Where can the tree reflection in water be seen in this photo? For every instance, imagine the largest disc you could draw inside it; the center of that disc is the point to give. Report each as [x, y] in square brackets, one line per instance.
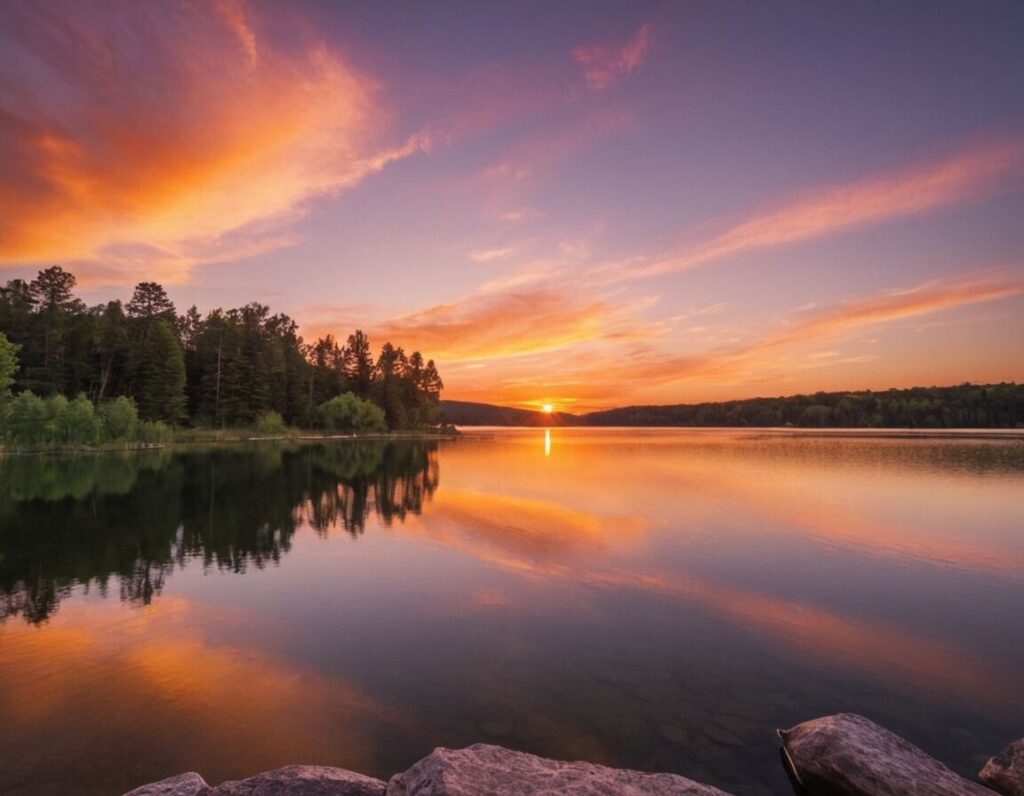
[75, 520]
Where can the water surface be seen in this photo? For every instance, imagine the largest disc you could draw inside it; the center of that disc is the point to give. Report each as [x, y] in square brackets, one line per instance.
[656, 599]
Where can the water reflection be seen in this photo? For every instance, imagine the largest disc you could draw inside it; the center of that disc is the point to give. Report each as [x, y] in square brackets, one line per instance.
[132, 518]
[659, 600]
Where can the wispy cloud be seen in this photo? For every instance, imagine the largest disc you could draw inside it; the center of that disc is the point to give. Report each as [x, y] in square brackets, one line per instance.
[489, 255]
[606, 65]
[495, 326]
[209, 124]
[963, 178]
[643, 363]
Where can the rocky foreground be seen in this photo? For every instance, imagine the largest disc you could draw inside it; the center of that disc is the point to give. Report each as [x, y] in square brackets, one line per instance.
[841, 755]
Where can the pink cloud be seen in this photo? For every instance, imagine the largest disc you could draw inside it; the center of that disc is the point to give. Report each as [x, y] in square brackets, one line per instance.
[606, 65]
[208, 125]
[966, 177]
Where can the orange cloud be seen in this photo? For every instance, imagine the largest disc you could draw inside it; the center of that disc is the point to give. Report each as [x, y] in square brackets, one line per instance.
[489, 326]
[586, 377]
[155, 133]
[606, 65]
[965, 177]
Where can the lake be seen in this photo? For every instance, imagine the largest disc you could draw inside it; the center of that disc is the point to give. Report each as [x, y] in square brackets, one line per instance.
[654, 599]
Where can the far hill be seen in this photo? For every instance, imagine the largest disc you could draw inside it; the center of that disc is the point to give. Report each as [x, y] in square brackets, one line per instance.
[466, 413]
[962, 406]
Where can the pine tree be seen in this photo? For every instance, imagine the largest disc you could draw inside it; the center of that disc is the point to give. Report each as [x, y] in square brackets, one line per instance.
[158, 374]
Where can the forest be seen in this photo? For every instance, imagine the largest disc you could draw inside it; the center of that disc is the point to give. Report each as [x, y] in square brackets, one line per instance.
[962, 406]
[75, 374]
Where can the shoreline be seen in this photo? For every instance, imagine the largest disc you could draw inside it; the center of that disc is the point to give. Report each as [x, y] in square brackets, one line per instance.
[844, 754]
[241, 436]
[230, 438]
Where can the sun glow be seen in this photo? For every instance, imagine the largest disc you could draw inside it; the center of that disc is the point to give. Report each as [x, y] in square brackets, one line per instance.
[547, 409]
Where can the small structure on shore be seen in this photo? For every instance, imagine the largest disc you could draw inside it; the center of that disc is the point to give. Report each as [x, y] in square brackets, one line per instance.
[841, 755]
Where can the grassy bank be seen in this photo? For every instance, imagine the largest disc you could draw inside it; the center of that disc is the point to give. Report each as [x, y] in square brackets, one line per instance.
[215, 436]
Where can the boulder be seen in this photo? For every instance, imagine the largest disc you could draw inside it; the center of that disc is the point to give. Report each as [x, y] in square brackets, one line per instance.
[1005, 771]
[188, 784]
[303, 781]
[494, 770]
[849, 755]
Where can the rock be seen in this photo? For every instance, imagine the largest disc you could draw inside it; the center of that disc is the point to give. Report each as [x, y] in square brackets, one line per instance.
[849, 755]
[494, 770]
[304, 781]
[1005, 771]
[188, 784]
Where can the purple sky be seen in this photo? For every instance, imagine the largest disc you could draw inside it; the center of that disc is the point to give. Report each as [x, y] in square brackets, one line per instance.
[584, 204]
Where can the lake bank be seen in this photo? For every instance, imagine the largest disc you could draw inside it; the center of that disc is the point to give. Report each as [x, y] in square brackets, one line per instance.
[186, 437]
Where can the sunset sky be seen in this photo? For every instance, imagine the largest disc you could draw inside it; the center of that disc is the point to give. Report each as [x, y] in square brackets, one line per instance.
[582, 204]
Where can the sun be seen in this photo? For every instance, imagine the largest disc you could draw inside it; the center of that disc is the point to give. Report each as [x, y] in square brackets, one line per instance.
[547, 409]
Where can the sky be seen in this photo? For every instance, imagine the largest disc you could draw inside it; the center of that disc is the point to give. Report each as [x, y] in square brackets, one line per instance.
[586, 204]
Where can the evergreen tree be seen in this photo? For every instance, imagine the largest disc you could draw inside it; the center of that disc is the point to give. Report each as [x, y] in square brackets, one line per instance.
[8, 365]
[231, 367]
[158, 373]
[358, 363]
[150, 300]
[53, 303]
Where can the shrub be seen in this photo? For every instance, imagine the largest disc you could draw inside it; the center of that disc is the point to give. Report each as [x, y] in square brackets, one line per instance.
[271, 423]
[119, 419]
[25, 422]
[77, 424]
[348, 413]
[152, 432]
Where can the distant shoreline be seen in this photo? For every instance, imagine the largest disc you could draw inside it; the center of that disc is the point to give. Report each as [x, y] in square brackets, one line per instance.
[848, 433]
[962, 406]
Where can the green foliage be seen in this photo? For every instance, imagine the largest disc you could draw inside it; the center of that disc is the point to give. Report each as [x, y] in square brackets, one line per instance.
[227, 368]
[8, 364]
[152, 432]
[76, 423]
[119, 419]
[26, 420]
[963, 406]
[271, 423]
[158, 373]
[348, 413]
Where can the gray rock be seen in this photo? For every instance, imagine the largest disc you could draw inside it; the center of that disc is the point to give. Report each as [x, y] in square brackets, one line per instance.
[1005, 771]
[188, 784]
[494, 770]
[849, 755]
[304, 781]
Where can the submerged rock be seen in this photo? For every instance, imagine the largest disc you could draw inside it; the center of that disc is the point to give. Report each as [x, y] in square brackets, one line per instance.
[495, 770]
[188, 784]
[304, 781]
[1005, 771]
[849, 755]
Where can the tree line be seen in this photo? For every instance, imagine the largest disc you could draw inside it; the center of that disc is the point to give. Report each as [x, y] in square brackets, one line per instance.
[244, 366]
[962, 406]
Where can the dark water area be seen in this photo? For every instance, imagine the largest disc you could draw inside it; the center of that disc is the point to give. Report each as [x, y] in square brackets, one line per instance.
[653, 599]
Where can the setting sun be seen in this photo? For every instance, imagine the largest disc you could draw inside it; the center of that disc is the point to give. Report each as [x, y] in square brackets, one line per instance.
[547, 409]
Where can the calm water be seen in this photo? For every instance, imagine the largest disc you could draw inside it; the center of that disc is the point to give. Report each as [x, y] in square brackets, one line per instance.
[656, 599]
